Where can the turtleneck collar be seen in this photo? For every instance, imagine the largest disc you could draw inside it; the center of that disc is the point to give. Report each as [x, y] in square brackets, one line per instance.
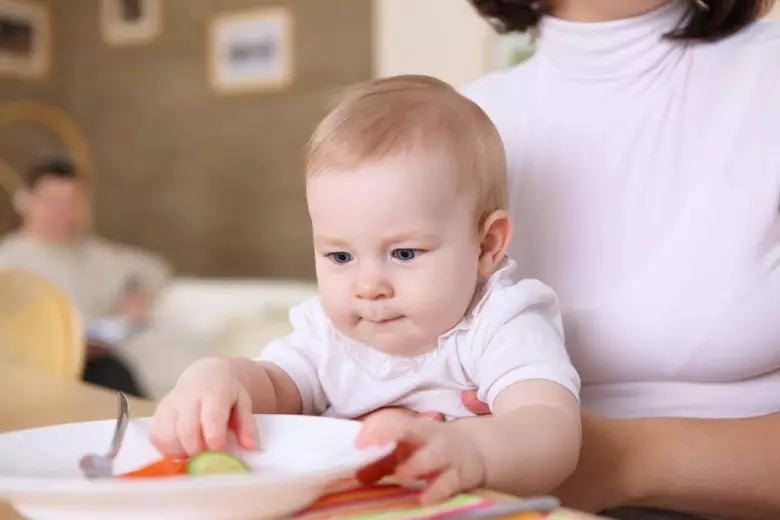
[608, 50]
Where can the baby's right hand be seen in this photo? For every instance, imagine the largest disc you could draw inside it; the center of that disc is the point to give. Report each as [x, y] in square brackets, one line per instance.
[197, 415]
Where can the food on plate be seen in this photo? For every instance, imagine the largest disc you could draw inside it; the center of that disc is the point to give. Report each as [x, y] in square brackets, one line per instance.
[206, 463]
[165, 467]
[216, 463]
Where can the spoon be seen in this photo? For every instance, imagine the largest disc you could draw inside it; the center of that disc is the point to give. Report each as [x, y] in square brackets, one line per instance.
[96, 466]
[541, 505]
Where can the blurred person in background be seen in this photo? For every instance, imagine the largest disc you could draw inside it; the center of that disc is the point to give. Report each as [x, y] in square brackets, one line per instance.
[112, 286]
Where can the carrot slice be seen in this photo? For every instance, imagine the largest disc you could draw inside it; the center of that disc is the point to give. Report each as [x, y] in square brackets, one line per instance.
[165, 467]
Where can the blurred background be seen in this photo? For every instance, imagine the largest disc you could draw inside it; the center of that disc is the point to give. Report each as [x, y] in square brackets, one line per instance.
[184, 122]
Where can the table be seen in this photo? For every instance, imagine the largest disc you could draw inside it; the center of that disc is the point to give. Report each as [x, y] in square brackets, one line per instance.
[37, 399]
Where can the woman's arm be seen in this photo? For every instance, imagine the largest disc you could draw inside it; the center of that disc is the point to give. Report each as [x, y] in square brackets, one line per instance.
[723, 468]
[720, 468]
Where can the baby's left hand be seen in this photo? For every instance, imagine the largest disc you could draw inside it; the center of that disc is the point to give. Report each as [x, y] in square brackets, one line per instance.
[438, 453]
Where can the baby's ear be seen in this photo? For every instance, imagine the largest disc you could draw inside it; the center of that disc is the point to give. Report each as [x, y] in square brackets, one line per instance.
[496, 236]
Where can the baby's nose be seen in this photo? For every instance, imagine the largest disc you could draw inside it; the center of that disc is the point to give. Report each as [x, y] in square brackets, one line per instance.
[375, 288]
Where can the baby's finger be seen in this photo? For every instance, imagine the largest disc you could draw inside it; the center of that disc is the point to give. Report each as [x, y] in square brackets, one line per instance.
[428, 460]
[389, 426]
[470, 400]
[163, 433]
[375, 472]
[246, 427]
[446, 485]
[386, 466]
[189, 430]
[214, 415]
[432, 416]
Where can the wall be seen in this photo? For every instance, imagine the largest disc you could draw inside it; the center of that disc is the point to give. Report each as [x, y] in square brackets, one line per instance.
[20, 144]
[443, 38]
[214, 183]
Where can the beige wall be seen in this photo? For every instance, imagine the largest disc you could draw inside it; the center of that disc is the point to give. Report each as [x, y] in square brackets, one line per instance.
[443, 38]
[20, 143]
[775, 14]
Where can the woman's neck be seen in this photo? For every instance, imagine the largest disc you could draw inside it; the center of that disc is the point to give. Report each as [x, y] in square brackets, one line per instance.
[603, 10]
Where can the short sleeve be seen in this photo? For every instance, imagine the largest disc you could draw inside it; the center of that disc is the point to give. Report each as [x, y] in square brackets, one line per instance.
[300, 354]
[520, 338]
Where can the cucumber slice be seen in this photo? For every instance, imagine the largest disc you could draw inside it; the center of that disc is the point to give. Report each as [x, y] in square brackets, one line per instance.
[215, 463]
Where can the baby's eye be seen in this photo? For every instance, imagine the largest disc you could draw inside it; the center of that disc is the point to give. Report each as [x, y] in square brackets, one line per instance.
[405, 255]
[340, 257]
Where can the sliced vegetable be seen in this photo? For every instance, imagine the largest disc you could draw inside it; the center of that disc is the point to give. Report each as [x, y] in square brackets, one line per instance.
[216, 463]
[166, 467]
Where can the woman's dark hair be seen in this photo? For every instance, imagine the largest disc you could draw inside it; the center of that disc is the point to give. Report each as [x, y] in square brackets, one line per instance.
[720, 19]
[58, 167]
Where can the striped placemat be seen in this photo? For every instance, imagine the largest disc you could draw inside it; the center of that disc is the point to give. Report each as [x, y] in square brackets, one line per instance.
[390, 501]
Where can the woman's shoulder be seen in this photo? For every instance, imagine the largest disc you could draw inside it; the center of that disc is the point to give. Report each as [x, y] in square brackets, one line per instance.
[763, 33]
[758, 46]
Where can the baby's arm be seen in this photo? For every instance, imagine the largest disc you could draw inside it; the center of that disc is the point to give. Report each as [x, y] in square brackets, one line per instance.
[290, 365]
[284, 378]
[528, 447]
[270, 389]
[522, 370]
[211, 398]
[216, 394]
[531, 443]
[517, 361]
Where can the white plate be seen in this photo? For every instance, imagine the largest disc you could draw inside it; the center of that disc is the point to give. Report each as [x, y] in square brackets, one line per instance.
[39, 473]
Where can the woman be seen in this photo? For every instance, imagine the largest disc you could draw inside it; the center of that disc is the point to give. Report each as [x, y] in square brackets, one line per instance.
[644, 147]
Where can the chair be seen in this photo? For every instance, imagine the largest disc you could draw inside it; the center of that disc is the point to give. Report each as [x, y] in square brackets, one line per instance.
[39, 327]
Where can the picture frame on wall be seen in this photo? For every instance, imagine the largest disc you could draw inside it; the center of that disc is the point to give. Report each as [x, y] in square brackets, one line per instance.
[131, 22]
[25, 39]
[251, 51]
[507, 50]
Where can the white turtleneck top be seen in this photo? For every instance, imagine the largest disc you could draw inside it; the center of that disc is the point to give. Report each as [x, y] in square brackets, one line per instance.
[645, 178]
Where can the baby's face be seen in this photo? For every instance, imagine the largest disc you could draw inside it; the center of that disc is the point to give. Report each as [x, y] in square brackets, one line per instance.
[396, 251]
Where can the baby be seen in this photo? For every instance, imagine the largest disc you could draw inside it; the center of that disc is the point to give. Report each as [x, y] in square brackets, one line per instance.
[407, 192]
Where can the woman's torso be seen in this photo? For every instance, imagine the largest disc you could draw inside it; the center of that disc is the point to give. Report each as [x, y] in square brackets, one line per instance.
[646, 191]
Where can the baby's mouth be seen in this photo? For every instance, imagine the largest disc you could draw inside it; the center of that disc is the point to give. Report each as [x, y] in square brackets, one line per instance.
[383, 321]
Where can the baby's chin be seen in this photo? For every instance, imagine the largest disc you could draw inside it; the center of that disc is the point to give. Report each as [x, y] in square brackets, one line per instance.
[392, 339]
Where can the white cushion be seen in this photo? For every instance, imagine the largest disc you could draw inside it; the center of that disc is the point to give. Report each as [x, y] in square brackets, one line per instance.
[194, 318]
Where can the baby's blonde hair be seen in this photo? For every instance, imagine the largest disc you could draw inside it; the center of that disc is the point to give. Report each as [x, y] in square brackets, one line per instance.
[377, 119]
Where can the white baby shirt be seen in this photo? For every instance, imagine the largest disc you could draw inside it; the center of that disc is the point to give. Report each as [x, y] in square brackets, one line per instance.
[512, 333]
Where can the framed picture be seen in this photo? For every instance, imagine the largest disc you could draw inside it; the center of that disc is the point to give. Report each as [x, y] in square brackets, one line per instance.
[25, 39]
[251, 51]
[126, 22]
[508, 50]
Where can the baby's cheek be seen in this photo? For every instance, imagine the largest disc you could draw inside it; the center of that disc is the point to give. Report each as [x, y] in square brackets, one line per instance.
[440, 305]
[336, 306]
